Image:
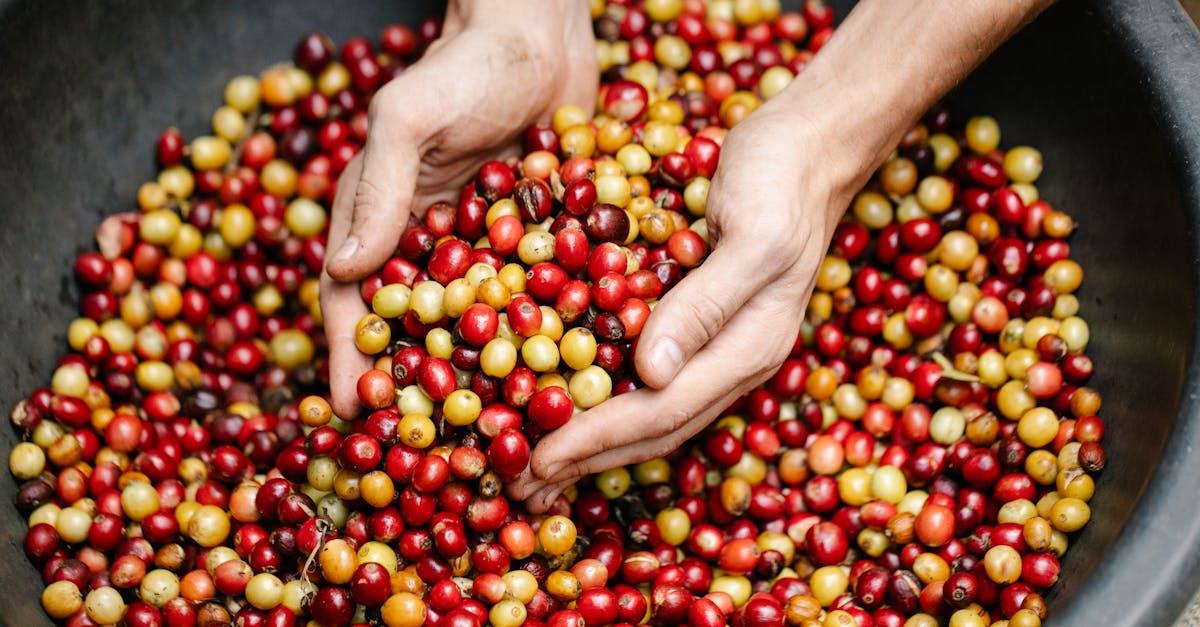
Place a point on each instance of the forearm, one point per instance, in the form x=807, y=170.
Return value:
x=555, y=23
x=889, y=62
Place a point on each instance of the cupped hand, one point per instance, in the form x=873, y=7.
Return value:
x=786, y=174
x=497, y=68
x=774, y=202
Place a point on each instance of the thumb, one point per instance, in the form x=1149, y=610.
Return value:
x=693, y=312
x=382, y=200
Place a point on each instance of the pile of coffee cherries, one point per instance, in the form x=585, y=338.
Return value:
x=921, y=458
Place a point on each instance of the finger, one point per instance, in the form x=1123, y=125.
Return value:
x=634, y=452
x=538, y=495
x=383, y=194
x=115, y=234
x=648, y=442
x=544, y=498
x=651, y=423
x=343, y=205
x=695, y=310
x=611, y=425
x=342, y=307
x=523, y=485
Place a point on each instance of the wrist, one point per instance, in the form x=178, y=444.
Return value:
x=557, y=34
x=840, y=149
x=884, y=67
x=532, y=19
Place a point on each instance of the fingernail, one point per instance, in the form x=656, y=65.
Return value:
x=667, y=357
x=348, y=249
x=548, y=500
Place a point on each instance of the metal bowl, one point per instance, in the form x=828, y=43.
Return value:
x=1108, y=90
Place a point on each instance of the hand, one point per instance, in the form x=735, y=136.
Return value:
x=727, y=326
x=498, y=68
x=787, y=173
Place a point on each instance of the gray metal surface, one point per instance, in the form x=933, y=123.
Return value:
x=1108, y=90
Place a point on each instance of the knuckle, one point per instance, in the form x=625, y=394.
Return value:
x=703, y=315
x=385, y=102
x=674, y=420
x=664, y=426
x=367, y=200
x=517, y=491
x=589, y=466
x=770, y=357
x=670, y=430
x=540, y=466
x=663, y=446
x=609, y=439
x=766, y=366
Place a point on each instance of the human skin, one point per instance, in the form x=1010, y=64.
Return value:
x=786, y=175
x=484, y=81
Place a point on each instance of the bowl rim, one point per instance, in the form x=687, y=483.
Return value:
x=1162, y=535
x=1160, y=538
